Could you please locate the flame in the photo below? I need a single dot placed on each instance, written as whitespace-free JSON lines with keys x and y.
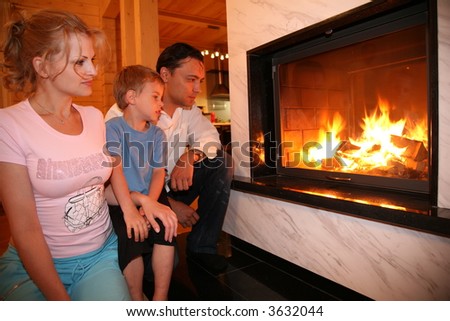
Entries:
{"x":375,"y":144}
{"x":333,"y":129}
{"x":375,"y":148}
{"x":259,"y":148}
{"x":340,"y":196}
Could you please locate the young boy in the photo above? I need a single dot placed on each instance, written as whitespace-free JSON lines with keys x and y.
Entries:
{"x":138,"y":146}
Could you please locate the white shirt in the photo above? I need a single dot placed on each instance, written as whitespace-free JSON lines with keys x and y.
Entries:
{"x":187,"y":128}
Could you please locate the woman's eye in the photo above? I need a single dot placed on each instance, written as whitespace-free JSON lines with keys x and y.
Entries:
{"x":81,"y":62}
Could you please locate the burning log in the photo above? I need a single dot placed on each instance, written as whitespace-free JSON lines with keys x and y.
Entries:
{"x":418,"y":166}
{"x":414,"y":150}
{"x":348,"y":146}
{"x":330,"y":163}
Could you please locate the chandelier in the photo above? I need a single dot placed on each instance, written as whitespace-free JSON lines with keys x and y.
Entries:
{"x":215,"y":54}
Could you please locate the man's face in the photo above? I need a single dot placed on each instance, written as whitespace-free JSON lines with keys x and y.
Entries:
{"x":183,"y":84}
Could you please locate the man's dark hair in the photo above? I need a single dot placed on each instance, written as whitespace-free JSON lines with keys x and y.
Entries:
{"x":172,"y":55}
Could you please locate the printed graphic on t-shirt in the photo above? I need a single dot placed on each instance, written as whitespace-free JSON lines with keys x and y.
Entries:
{"x":56,"y":170}
{"x":83,"y":209}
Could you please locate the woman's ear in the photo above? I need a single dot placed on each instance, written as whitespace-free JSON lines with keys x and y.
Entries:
{"x":39,"y":66}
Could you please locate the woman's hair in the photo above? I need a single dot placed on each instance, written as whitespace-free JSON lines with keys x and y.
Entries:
{"x":171,"y":56}
{"x":132,"y":78}
{"x":44,"y":34}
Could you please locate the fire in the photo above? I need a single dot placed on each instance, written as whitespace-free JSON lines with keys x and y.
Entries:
{"x":384,"y":147}
{"x":375,"y":146}
{"x":331,"y":134}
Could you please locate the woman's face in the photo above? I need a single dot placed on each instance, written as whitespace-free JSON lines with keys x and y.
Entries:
{"x":76,"y":78}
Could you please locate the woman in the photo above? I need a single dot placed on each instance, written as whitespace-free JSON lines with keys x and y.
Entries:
{"x":52,"y":166}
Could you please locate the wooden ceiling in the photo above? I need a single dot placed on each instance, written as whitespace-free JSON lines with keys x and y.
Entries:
{"x":201,"y":23}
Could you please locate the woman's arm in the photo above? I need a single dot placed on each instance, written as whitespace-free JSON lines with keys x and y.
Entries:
{"x":131,"y":215}
{"x":26,"y":233}
{"x":109,"y":195}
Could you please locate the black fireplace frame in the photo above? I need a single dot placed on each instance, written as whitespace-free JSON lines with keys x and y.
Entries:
{"x":419,"y":211}
{"x":395,"y":22}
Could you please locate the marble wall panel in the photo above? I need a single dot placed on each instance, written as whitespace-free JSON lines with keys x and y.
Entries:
{"x":381,"y":261}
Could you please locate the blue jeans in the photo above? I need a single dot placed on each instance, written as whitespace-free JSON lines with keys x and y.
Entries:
{"x":93,"y":276}
{"x":211,"y":183}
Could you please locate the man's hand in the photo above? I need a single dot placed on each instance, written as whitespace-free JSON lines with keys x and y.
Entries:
{"x":186,"y":215}
{"x":182,"y":173}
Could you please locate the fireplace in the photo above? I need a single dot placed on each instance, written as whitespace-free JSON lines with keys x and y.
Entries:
{"x":343,"y":115}
{"x":354,"y":108}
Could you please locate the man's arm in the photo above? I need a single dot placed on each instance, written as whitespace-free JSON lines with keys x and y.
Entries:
{"x":204,"y":141}
{"x":186,"y":215}
{"x":202,"y":135}
{"x":182,"y":173}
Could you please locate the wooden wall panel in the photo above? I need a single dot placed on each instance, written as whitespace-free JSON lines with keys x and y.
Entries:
{"x":83,"y":8}
{"x":175,"y":21}
{"x":111,"y":28}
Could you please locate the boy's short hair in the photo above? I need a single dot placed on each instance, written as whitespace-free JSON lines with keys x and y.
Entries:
{"x":132,"y":78}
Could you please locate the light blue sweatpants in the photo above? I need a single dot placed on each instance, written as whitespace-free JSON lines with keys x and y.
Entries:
{"x":94,"y":276}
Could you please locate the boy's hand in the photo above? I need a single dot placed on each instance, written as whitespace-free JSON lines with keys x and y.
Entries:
{"x":137,"y":223}
{"x":152,"y":209}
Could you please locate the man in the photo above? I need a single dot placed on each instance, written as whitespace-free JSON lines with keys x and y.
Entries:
{"x":197,"y":166}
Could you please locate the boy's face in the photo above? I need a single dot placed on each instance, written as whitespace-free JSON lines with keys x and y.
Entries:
{"x":149,"y":101}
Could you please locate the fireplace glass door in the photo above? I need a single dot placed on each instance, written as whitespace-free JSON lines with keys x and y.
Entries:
{"x":355,"y":109}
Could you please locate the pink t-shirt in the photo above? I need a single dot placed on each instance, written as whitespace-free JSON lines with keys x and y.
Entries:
{"x":67,"y":173}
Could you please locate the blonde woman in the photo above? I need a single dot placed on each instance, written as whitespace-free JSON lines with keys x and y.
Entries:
{"x":52,"y":166}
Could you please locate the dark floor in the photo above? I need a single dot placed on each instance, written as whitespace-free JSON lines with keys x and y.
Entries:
{"x":253,"y":275}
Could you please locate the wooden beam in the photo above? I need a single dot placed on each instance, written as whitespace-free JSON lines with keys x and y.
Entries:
{"x":109,"y":8}
{"x":139,"y":32}
{"x":127,"y":32}
{"x":191,"y":20}
{"x":147,"y":32}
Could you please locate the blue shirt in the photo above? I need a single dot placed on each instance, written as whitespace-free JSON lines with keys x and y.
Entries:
{"x":140,"y":151}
